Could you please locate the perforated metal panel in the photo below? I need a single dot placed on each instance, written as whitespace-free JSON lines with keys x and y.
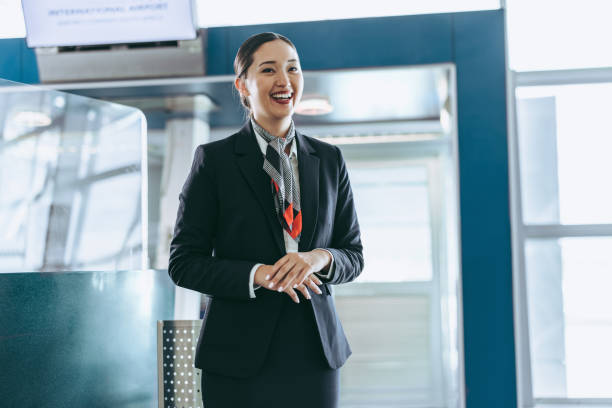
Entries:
{"x":178,"y":380}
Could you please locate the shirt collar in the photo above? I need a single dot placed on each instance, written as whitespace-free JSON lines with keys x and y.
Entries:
{"x":263,"y":145}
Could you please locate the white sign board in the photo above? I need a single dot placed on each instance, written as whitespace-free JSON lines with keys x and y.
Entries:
{"x":51,"y":23}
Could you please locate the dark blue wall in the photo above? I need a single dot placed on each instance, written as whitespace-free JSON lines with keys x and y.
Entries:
{"x":370,"y":42}
{"x":17,"y":61}
{"x":474,"y":42}
{"x":485,"y":213}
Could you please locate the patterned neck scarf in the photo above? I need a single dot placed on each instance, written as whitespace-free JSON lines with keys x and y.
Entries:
{"x":286,"y":195}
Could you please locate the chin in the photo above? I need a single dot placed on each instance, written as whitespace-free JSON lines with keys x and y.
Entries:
{"x":280,"y":115}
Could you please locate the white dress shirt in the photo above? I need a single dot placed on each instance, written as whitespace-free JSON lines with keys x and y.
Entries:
{"x":290,"y":244}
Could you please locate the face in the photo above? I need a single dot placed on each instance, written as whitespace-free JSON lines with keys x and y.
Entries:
{"x":273,"y":83}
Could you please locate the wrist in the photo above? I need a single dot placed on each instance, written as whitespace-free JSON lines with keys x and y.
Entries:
{"x":260,"y":275}
{"x":324,"y":258}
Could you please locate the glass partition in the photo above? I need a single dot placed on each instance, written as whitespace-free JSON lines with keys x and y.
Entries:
{"x":79,"y":308}
{"x":401,"y":313}
{"x":73,"y":174}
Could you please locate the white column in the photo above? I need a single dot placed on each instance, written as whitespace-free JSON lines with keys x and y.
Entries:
{"x":183,"y":136}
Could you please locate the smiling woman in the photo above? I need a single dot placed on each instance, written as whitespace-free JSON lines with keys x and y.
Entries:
{"x":266,"y":224}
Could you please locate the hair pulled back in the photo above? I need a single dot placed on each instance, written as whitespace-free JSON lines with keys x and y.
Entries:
{"x":244,"y":56}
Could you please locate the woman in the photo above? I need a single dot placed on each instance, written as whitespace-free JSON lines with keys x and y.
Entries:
{"x":266,"y":223}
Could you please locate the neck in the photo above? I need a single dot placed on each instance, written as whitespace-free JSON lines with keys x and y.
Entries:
{"x":278,"y":128}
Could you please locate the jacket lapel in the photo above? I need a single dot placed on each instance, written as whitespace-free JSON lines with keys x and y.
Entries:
{"x":250,"y":162}
{"x":308,"y":166}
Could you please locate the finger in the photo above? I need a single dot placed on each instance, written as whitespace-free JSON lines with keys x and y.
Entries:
{"x":278,"y":265}
{"x":295,"y":277}
{"x":288,"y":281}
{"x":304,"y":291}
{"x":312,"y":285}
{"x":292,"y":294}
{"x":278,"y":276}
{"x":284,"y":276}
{"x":316,"y":279}
{"x":301,"y":276}
{"x":283,"y":260}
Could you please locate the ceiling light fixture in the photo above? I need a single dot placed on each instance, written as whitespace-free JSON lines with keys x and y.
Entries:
{"x":312,"y":105}
{"x":31,"y":119}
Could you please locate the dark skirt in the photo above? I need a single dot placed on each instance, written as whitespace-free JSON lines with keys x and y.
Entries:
{"x":295,"y":373}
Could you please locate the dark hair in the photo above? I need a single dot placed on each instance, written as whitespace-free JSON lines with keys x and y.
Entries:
{"x":244,"y":56}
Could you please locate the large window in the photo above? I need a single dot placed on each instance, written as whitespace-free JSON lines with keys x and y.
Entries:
{"x":560,"y":148}
{"x":563,"y":234}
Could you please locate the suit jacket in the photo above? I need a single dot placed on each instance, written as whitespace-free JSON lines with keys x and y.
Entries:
{"x":226,"y":223}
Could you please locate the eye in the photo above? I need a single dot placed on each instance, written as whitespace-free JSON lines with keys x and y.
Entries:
{"x":294,"y":69}
{"x":266,"y":70}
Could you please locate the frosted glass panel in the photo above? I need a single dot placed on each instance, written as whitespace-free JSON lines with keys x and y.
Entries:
{"x":401,"y":313}
{"x":72,"y":174}
{"x":393,"y":208}
{"x":392,"y":364}
{"x":569,"y":282}
{"x":565,"y":144}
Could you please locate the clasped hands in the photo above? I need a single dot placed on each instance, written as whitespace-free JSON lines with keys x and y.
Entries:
{"x":294,"y":271}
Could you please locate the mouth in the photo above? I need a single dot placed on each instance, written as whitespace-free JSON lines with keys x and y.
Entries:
{"x":282,"y":98}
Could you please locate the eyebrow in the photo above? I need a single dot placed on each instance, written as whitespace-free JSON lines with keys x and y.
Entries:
{"x":274,"y":62}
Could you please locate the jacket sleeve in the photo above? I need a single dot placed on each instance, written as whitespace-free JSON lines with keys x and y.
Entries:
{"x":345,"y":246}
{"x":192,"y":263}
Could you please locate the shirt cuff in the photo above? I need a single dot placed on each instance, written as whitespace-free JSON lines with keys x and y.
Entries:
{"x":253,"y":288}
{"x":330,"y":271}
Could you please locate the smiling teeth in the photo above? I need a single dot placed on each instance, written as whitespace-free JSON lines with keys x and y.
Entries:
{"x":282,"y":96}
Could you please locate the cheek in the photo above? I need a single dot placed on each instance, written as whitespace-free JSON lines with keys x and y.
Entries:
{"x":298,"y":85}
{"x":262,"y":88}
{"x":255,"y":90}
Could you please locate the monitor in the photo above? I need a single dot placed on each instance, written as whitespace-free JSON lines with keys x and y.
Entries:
{"x":56,"y":23}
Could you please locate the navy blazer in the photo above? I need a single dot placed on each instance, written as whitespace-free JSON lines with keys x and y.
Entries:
{"x":226,"y":223}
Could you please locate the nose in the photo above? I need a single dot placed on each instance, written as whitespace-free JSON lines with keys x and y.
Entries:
{"x":282,"y":79}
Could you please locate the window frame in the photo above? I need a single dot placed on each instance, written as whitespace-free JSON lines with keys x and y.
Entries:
{"x":522,"y":232}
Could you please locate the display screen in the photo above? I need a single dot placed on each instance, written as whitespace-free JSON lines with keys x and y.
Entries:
{"x":54,"y":23}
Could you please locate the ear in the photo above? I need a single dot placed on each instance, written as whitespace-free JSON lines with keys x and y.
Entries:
{"x":241,"y":87}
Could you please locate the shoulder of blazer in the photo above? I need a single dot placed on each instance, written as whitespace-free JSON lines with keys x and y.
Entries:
{"x":325,"y":151}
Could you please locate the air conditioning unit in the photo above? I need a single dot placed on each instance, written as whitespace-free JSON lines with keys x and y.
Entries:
{"x":123,"y":61}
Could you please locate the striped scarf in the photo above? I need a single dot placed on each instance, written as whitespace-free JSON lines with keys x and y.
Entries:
{"x":278,"y":166}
